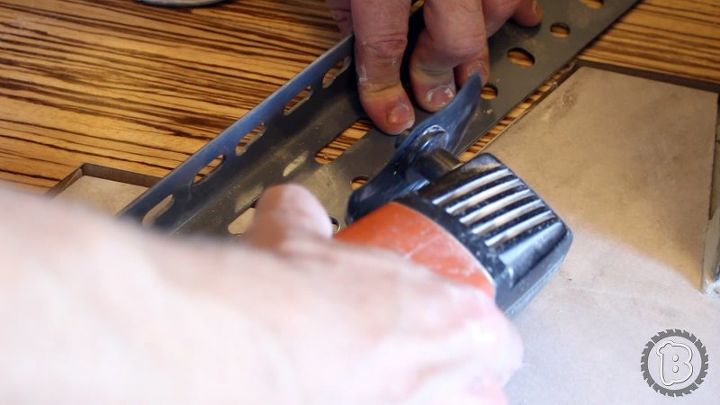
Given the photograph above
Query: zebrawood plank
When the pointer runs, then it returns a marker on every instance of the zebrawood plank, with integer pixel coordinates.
(140, 88)
(674, 37)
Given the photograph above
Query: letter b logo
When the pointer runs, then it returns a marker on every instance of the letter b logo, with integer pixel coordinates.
(674, 362)
(675, 366)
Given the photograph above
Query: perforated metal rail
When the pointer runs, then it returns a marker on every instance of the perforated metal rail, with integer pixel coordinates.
(284, 150)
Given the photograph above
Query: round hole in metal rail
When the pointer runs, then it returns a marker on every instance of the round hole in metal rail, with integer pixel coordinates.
(489, 92)
(160, 208)
(335, 224)
(560, 30)
(298, 100)
(242, 223)
(521, 57)
(249, 138)
(358, 182)
(594, 4)
(209, 169)
(335, 71)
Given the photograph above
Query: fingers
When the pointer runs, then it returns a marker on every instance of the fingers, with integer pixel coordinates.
(479, 65)
(454, 35)
(476, 333)
(494, 13)
(524, 12)
(453, 47)
(459, 340)
(340, 11)
(288, 211)
(381, 28)
(459, 388)
(528, 13)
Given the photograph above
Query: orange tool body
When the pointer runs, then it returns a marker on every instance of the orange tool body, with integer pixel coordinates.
(405, 231)
(477, 223)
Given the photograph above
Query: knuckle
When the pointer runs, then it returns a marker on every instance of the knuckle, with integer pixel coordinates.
(388, 46)
(294, 246)
(464, 47)
(341, 16)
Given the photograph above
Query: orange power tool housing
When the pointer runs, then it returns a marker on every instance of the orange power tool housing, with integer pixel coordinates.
(479, 224)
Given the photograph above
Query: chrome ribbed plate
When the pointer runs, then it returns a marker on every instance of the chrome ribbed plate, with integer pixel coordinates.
(496, 205)
(500, 219)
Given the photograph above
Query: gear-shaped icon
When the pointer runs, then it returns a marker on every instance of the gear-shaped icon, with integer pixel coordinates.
(694, 343)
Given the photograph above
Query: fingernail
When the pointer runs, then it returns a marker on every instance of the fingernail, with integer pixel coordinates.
(440, 96)
(400, 115)
(480, 70)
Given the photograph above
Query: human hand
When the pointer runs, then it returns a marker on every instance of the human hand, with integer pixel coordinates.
(452, 47)
(287, 317)
(390, 331)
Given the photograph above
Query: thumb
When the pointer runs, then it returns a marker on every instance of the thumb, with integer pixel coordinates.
(529, 13)
(285, 212)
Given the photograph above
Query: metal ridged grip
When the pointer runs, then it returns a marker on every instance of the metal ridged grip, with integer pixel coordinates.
(509, 229)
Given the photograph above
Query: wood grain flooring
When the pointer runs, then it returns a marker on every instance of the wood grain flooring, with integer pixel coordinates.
(120, 84)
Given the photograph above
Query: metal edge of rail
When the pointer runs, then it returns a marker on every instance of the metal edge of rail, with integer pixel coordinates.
(285, 150)
(711, 257)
